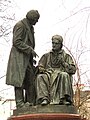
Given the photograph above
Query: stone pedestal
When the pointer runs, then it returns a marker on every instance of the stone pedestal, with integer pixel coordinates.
(70, 109)
(48, 112)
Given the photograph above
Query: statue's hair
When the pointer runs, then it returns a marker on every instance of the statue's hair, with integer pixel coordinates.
(32, 14)
(58, 37)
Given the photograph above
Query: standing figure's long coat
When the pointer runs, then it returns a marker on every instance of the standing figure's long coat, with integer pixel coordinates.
(20, 55)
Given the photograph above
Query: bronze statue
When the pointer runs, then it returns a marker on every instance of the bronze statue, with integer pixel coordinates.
(20, 69)
(54, 81)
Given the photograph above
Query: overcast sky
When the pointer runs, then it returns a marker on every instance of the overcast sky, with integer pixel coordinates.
(67, 18)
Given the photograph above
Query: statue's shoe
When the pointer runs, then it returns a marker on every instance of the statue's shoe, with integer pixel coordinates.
(61, 102)
(44, 102)
(27, 104)
(20, 105)
(67, 103)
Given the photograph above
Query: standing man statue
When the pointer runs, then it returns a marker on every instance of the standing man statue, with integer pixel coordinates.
(20, 69)
(54, 81)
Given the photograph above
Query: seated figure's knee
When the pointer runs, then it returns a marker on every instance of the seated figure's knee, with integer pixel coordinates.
(64, 74)
(38, 76)
(41, 76)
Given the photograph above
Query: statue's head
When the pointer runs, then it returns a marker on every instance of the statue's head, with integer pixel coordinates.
(58, 37)
(33, 16)
(57, 42)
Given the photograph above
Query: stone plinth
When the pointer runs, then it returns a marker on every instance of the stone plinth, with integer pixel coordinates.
(48, 112)
(70, 109)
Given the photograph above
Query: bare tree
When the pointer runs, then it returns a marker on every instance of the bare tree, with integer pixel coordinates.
(76, 38)
(7, 16)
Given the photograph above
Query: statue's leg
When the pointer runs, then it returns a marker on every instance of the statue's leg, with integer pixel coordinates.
(19, 96)
(29, 87)
(42, 88)
(65, 86)
(30, 94)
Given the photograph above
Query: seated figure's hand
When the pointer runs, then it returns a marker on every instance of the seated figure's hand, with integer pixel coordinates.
(71, 69)
(41, 69)
(60, 59)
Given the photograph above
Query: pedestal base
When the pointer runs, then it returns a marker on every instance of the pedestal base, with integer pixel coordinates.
(69, 109)
(48, 112)
(48, 116)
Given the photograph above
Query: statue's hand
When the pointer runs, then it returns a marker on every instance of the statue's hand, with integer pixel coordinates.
(41, 69)
(71, 69)
(34, 53)
(61, 59)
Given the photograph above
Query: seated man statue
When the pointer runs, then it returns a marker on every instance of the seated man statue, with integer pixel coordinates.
(54, 81)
